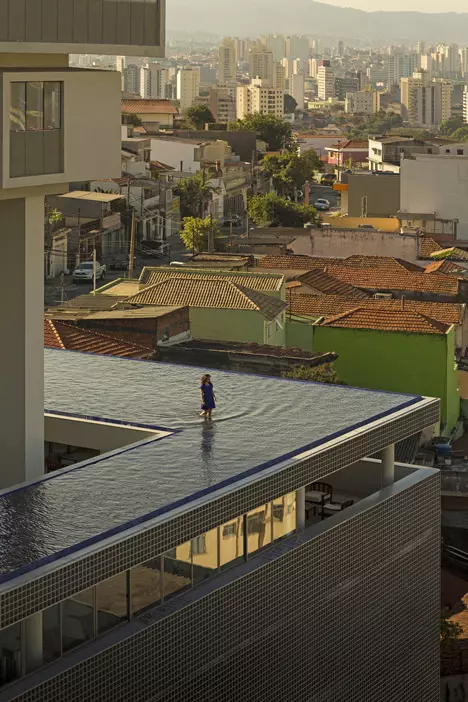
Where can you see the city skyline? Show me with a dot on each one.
(401, 5)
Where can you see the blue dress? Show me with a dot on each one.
(208, 397)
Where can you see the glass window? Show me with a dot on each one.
(78, 619)
(205, 556)
(231, 542)
(259, 528)
(145, 583)
(284, 515)
(111, 602)
(18, 107)
(52, 105)
(51, 633)
(10, 653)
(34, 107)
(177, 570)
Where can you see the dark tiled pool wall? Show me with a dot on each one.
(352, 614)
(22, 601)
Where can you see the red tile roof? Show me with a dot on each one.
(148, 106)
(292, 262)
(444, 266)
(385, 262)
(377, 279)
(295, 262)
(60, 335)
(383, 320)
(327, 284)
(428, 246)
(331, 305)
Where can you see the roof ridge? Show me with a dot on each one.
(53, 328)
(342, 315)
(105, 336)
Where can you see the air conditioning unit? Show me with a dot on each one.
(383, 296)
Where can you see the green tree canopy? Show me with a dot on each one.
(460, 134)
(290, 171)
(449, 631)
(448, 126)
(290, 104)
(274, 131)
(195, 233)
(380, 123)
(318, 374)
(194, 192)
(198, 116)
(271, 210)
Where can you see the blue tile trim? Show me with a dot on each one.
(197, 495)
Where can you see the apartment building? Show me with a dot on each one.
(344, 85)
(226, 545)
(153, 81)
(227, 65)
(427, 102)
(326, 80)
(188, 86)
(465, 104)
(261, 64)
(360, 103)
(258, 97)
(279, 76)
(297, 89)
(400, 65)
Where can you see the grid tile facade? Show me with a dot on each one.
(36, 595)
(348, 614)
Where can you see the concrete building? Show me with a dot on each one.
(188, 86)
(275, 43)
(153, 114)
(131, 79)
(312, 65)
(360, 103)
(370, 194)
(465, 105)
(345, 85)
(297, 47)
(258, 97)
(279, 76)
(261, 64)
(222, 105)
(227, 65)
(153, 81)
(400, 65)
(189, 155)
(231, 549)
(296, 89)
(427, 102)
(326, 80)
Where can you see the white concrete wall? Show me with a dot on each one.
(173, 152)
(437, 184)
(344, 243)
(91, 124)
(98, 436)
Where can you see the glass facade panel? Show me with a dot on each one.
(34, 107)
(231, 542)
(18, 107)
(205, 556)
(284, 515)
(78, 619)
(259, 527)
(145, 584)
(177, 569)
(52, 105)
(111, 602)
(51, 633)
(10, 653)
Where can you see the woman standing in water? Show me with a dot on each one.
(208, 397)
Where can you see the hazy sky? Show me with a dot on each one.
(416, 5)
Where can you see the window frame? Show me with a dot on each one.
(44, 87)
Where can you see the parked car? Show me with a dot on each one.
(328, 179)
(322, 204)
(85, 272)
(120, 263)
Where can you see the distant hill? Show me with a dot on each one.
(253, 17)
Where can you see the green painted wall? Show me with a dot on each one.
(299, 334)
(413, 363)
(233, 325)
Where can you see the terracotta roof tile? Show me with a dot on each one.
(208, 292)
(264, 282)
(383, 320)
(295, 262)
(147, 106)
(330, 305)
(444, 266)
(327, 284)
(292, 262)
(385, 262)
(428, 246)
(60, 335)
(377, 279)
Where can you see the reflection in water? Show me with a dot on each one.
(207, 450)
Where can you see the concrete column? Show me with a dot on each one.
(33, 641)
(300, 509)
(22, 348)
(388, 465)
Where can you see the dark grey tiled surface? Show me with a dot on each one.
(260, 421)
(349, 615)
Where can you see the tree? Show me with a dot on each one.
(195, 233)
(460, 134)
(198, 116)
(290, 171)
(448, 126)
(317, 374)
(274, 131)
(194, 192)
(290, 104)
(271, 210)
(449, 630)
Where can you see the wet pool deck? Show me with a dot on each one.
(259, 422)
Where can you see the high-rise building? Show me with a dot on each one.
(313, 67)
(297, 47)
(279, 76)
(259, 97)
(227, 66)
(326, 80)
(222, 105)
(153, 80)
(465, 105)
(261, 64)
(401, 65)
(188, 86)
(341, 48)
(361, 103)
(427, 102)
(131, 79)
(296, 89)
(276, 43)
(346, 85)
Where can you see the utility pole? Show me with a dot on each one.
(230, 230)
(132, 247)
(79, 239)
(94, 264)
(210, 236)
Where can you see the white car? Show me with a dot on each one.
(85, 272)
(322, 204)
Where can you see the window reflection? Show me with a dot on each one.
(78, 619)
(177, 569)
(204, 556)
(18, 107)
(52, 105)
(10, 653)
(145, 582)
(51, 634)
(111, 602)
(231, 542)
(34, 107)
(259, 528)
(284, 515)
